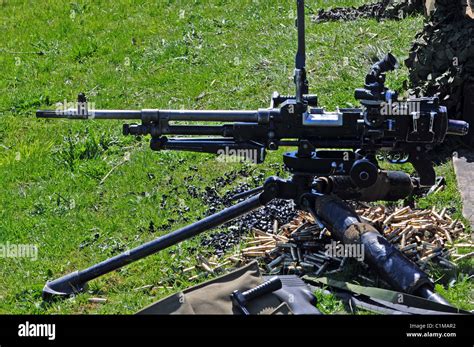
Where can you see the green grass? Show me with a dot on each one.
(164, 54)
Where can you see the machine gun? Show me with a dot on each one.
(321, 178)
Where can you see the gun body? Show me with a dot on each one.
(407, 128)
(289, 123)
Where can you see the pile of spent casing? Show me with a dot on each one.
(423, 235)
(299, 247)
(303, 246)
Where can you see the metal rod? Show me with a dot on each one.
(76, 281)
(300, 61)
(210, 116)
(217, 130)
(170, 115)
(91, 114)
(301, 82)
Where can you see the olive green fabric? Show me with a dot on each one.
(386, 295)
(213, 297)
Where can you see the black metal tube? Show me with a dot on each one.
(218, 130)
(49, 114)
(170, 115)
(346, 226)
(428, 293)
(457, 127)
(116, 114)
(95, 114)
(75, 282)
(390, 186)
(170, 239)
(210, 116)
(300, 60)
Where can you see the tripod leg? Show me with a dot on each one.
(381, 255)
(75, 282)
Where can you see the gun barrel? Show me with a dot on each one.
(457, 127)
(156, 115)
(211, 116)
(94, 114)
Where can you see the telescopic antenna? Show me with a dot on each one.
(300, 61)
